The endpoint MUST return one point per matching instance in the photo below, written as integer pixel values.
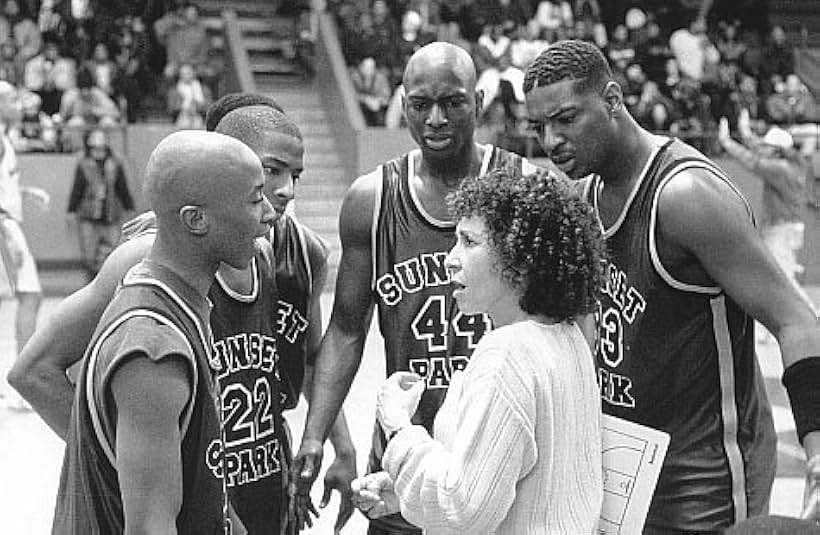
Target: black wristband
(802, 382)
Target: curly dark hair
(569, 60)
(545, 236)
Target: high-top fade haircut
(232, 101)
(569, 60)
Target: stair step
(242, 8)
(274, 66)
(279, 26)
(266, 43)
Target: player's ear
(193, 219)
(613, 96)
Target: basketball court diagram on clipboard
(632, 457)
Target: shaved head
(441, 55)
(249, 123)
(194, 167)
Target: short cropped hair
(569, 60)
(249, 122)
(226, 104)
(545, 237)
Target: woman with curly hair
(517, 442)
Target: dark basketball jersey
(294, 248)
(423, 330)
(680, 358)
(260, 341)
(256, 442)
(153, 313)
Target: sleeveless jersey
(423, 330)
(680, 358)
(158, 302)
(294, 245)
(262, 354)
(257, 451)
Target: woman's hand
(374, 496)
(397, 401)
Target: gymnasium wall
(54, 241)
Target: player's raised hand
(811, 494)
(339, 476)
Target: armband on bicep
(802, 382)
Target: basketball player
(144, 421)
(250, 308)
(20, 279)
(395, 233)
(687, 273)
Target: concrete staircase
(320, 191)
(269, 35)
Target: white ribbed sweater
(517, 444)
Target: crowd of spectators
(679, 79)
(80, 64)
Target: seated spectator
(633, 84)
(99, 198)
(88, 105)
(526, 46)
(693, 50)
(777, 60)
(412, 37)
(35, 132)
(621, 51)
(671, 77)
(491, 45)
(103, 70)
(49, 75)
(185, 39)
(385, 38)
(653, 52)
(791, 103)
(554, 14)
(732, 50)
(11, 68)
(747, 98)
(490, 80)
(14, 24)
(79, 41)
(50, 19)
(188, 99)
(373, 91)
(516, 11)
(133, 78)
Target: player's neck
(238, 280)
(452, 171)
(623, 168)
(186, 261)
